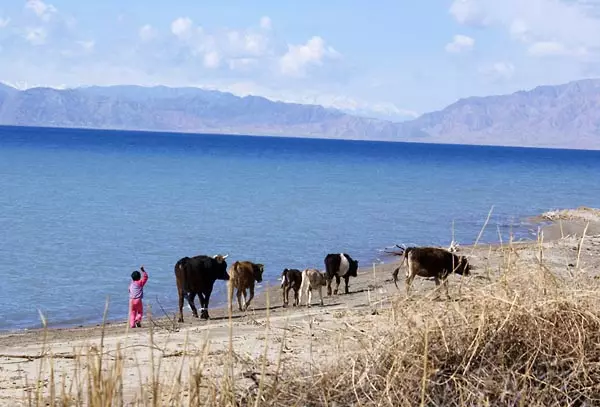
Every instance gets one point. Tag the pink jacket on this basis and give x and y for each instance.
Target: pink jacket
(136, 288)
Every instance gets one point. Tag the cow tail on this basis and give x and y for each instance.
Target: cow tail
(403, 258)
(395, 275)
(180, 266)
(235, 269)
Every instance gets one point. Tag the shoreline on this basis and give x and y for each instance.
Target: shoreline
(301, 338)
(554, 224)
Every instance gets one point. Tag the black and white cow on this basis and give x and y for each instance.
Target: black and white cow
(338, 266)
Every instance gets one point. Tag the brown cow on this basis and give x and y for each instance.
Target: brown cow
(242, 276)
(312, 279)
(291, 278)
(431, 262)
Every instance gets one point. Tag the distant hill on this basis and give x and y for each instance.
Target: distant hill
(566, 116)
(187, 110)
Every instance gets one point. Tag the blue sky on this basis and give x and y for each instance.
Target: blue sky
(396, 58)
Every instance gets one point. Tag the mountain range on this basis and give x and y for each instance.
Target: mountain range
(561, 116)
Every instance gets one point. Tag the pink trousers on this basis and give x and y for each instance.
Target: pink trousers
(136, 311)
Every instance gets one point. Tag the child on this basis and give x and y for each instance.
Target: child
(136, 293)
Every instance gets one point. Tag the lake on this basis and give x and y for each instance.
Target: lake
(81, 209)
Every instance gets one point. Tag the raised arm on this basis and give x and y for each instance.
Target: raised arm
(144, 276)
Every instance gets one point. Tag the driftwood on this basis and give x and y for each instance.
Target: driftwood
(73, 356)
(34, 357)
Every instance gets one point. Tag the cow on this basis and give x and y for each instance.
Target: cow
(339, 265)
(196, 276)
(431, 262)
(291, 279)
(242, 276)
(312, 279)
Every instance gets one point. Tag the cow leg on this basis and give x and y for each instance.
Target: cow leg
(337, 284)
(329, 280)
(409, 280)
(204, 298)
(446, 286)
(296, 300)
(437, 288)
(251, 289)
(302, 291)
(239, 298)
(321, 295)
(286, 295)
(309, 297)
(190, 299)
(180, 292)
(346, 281)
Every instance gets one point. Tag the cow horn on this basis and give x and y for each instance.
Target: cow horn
(226, 256)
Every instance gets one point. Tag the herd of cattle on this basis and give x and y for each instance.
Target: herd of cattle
(197, 276)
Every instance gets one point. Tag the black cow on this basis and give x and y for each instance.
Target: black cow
(196, 276)
(339, 265)
(291, 279)
(431, 262)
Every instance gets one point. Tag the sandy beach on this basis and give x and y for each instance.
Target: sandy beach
(270, 338)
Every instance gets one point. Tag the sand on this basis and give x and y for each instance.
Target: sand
(308, 338)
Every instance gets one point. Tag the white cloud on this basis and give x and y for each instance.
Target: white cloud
(147, 33)
(36, 35)
(552, 48)
(182, 27)
(88, 46)
(460, 43)
(249, 44)
(574, 24)
(212, 60)
(298, 57)
(241, 64)
(468, 12)
(265, 23)
(41, 9)
(4, 22)
(498, 71)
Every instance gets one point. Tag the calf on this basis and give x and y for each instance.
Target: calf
(312, 279)
(291, 278)
(242, 276)
(339, 265)
(431, 262)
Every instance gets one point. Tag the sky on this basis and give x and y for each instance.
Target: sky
(394, 58)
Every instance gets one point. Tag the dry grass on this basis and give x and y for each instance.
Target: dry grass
(525, 337)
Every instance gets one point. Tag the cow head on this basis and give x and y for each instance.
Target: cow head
(221, 267)
(353, 268)
(258, 272)
(463, 267)
(284, 277)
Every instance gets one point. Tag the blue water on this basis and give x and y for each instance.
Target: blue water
(81, 209)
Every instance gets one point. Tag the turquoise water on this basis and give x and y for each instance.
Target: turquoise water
(81, 209)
